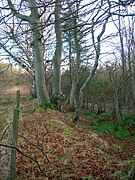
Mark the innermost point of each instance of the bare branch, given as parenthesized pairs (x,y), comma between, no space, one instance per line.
(41,149)
(25,155)
(18,60)
(17,14)
(4,131)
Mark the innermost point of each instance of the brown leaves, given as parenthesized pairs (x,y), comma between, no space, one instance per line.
(63,149)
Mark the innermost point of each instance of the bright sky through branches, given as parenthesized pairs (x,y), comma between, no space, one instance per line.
(87,10)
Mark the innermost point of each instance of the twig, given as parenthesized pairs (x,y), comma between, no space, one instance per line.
(31,158)
(4,131)
(5,150)
(35,146)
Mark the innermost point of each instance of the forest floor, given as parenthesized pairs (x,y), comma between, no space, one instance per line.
(56,148)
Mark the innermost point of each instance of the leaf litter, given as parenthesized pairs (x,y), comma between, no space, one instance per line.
(66,150)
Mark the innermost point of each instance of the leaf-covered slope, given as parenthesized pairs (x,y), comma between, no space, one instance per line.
(63,150)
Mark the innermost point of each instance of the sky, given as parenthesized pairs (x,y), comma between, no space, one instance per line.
(106,46)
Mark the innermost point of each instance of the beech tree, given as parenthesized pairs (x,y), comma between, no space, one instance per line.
(74,53)
(100,14)
(56,89)
(88,19)
(77,48)
(34,20)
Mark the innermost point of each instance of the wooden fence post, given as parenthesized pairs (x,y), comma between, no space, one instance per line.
(14,136)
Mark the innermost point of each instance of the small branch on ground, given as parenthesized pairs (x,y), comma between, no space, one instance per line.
(25,155)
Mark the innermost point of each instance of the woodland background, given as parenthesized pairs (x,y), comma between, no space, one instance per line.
(74,57)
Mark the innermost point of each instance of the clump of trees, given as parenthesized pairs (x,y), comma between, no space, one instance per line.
(70,52)
(45,37)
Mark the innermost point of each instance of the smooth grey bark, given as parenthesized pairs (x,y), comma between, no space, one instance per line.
(72,99)
(37,43)
(57,93)
(37,36)
(75,71)
(72,95)
(123,56)
(74,64)
(117,109)
(89,78)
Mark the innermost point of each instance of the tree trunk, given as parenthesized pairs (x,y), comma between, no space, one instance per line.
(75,66)
(57,93)
(33,92)
(37,36)
(117,105)
(72,96)
(89,78)
(42,93)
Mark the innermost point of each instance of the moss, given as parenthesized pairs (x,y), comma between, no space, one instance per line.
(52,122)
(39,108)
(66,129)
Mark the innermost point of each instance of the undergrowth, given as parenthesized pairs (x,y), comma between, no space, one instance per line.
(39,108)
(104,123)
